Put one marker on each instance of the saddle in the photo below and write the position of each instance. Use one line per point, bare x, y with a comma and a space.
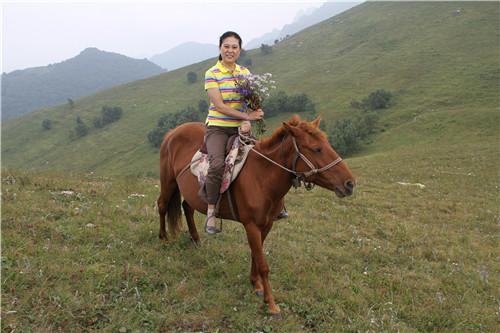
235, 159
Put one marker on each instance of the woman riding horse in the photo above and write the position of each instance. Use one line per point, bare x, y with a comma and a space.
297, 151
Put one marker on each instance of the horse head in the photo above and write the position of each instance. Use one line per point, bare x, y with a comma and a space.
315, 160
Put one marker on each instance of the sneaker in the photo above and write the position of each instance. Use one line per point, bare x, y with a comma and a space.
211, 230
282, 215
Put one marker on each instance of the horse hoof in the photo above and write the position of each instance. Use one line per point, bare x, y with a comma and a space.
259, 293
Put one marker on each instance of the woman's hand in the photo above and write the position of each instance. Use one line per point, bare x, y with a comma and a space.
256, 115
245, 127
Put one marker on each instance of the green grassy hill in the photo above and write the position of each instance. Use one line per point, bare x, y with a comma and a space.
80, 252
442, 66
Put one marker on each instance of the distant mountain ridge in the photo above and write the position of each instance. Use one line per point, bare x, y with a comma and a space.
92, 70
185, 54
305, 20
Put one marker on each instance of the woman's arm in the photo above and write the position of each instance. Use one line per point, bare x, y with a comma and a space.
216, 99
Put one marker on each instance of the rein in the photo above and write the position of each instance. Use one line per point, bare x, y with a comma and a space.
300, 176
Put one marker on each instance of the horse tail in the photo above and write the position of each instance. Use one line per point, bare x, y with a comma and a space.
174, 212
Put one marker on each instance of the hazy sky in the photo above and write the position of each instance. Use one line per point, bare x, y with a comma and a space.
41, 33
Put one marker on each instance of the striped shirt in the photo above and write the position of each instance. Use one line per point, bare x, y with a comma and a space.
220, 77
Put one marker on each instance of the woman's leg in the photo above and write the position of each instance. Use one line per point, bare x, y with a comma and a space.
216, 140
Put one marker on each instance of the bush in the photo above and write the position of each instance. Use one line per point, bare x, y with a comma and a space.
347, 134
47, 124
379, 99
108, 115
155, 136
280, 102
191, 77
344, 137
80, 129
247, 62
266, 49
172, 120
111, 114
203, 106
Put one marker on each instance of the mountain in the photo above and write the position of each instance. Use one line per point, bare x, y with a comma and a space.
185, 54
92, 70
302, 21
439, 59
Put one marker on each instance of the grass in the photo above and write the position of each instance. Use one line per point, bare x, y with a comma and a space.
391, 258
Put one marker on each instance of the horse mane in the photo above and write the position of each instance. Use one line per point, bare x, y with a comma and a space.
281, 132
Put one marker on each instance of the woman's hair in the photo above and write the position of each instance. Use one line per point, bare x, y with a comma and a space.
229, 34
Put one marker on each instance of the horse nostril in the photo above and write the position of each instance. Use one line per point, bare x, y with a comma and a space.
349, 185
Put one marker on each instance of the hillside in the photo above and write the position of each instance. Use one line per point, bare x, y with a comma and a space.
90, 71
327, 10
185, 54
419, 51
415, 249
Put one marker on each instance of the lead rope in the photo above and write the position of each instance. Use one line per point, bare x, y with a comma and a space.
299, 176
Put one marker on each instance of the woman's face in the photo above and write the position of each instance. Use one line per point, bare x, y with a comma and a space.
230, 50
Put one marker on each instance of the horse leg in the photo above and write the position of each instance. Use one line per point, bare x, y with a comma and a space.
255, 279
189, 213
254, 236
254, 275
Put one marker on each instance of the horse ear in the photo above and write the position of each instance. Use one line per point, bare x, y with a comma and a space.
316, 122
290, 129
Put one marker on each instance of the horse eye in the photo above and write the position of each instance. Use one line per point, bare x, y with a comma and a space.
317, 150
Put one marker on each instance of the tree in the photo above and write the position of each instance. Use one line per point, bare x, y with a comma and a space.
80, 129
47, 124
155, 136
71, 103
191, 77
266, 49
379, 99
344, 137
247, 62
111, 114
280, 102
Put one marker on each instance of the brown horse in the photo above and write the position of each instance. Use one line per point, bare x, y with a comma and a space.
290, 154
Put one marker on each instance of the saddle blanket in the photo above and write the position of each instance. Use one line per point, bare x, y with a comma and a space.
234, 162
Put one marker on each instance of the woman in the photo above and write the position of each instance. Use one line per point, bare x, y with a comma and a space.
225, 115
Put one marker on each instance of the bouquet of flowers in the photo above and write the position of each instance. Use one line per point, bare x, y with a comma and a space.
253, 90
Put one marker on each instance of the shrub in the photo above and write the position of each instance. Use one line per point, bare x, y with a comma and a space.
172, 120
191, 77
347, 134
80, 130
155, 136
266, 49
280, 102
108, 115
111, 114
379, 99
47, 124
247, 62
203, 106
344, 137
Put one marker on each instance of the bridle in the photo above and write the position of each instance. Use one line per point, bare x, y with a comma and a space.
300, 176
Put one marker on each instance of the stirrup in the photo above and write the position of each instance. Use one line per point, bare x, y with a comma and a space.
211, 230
